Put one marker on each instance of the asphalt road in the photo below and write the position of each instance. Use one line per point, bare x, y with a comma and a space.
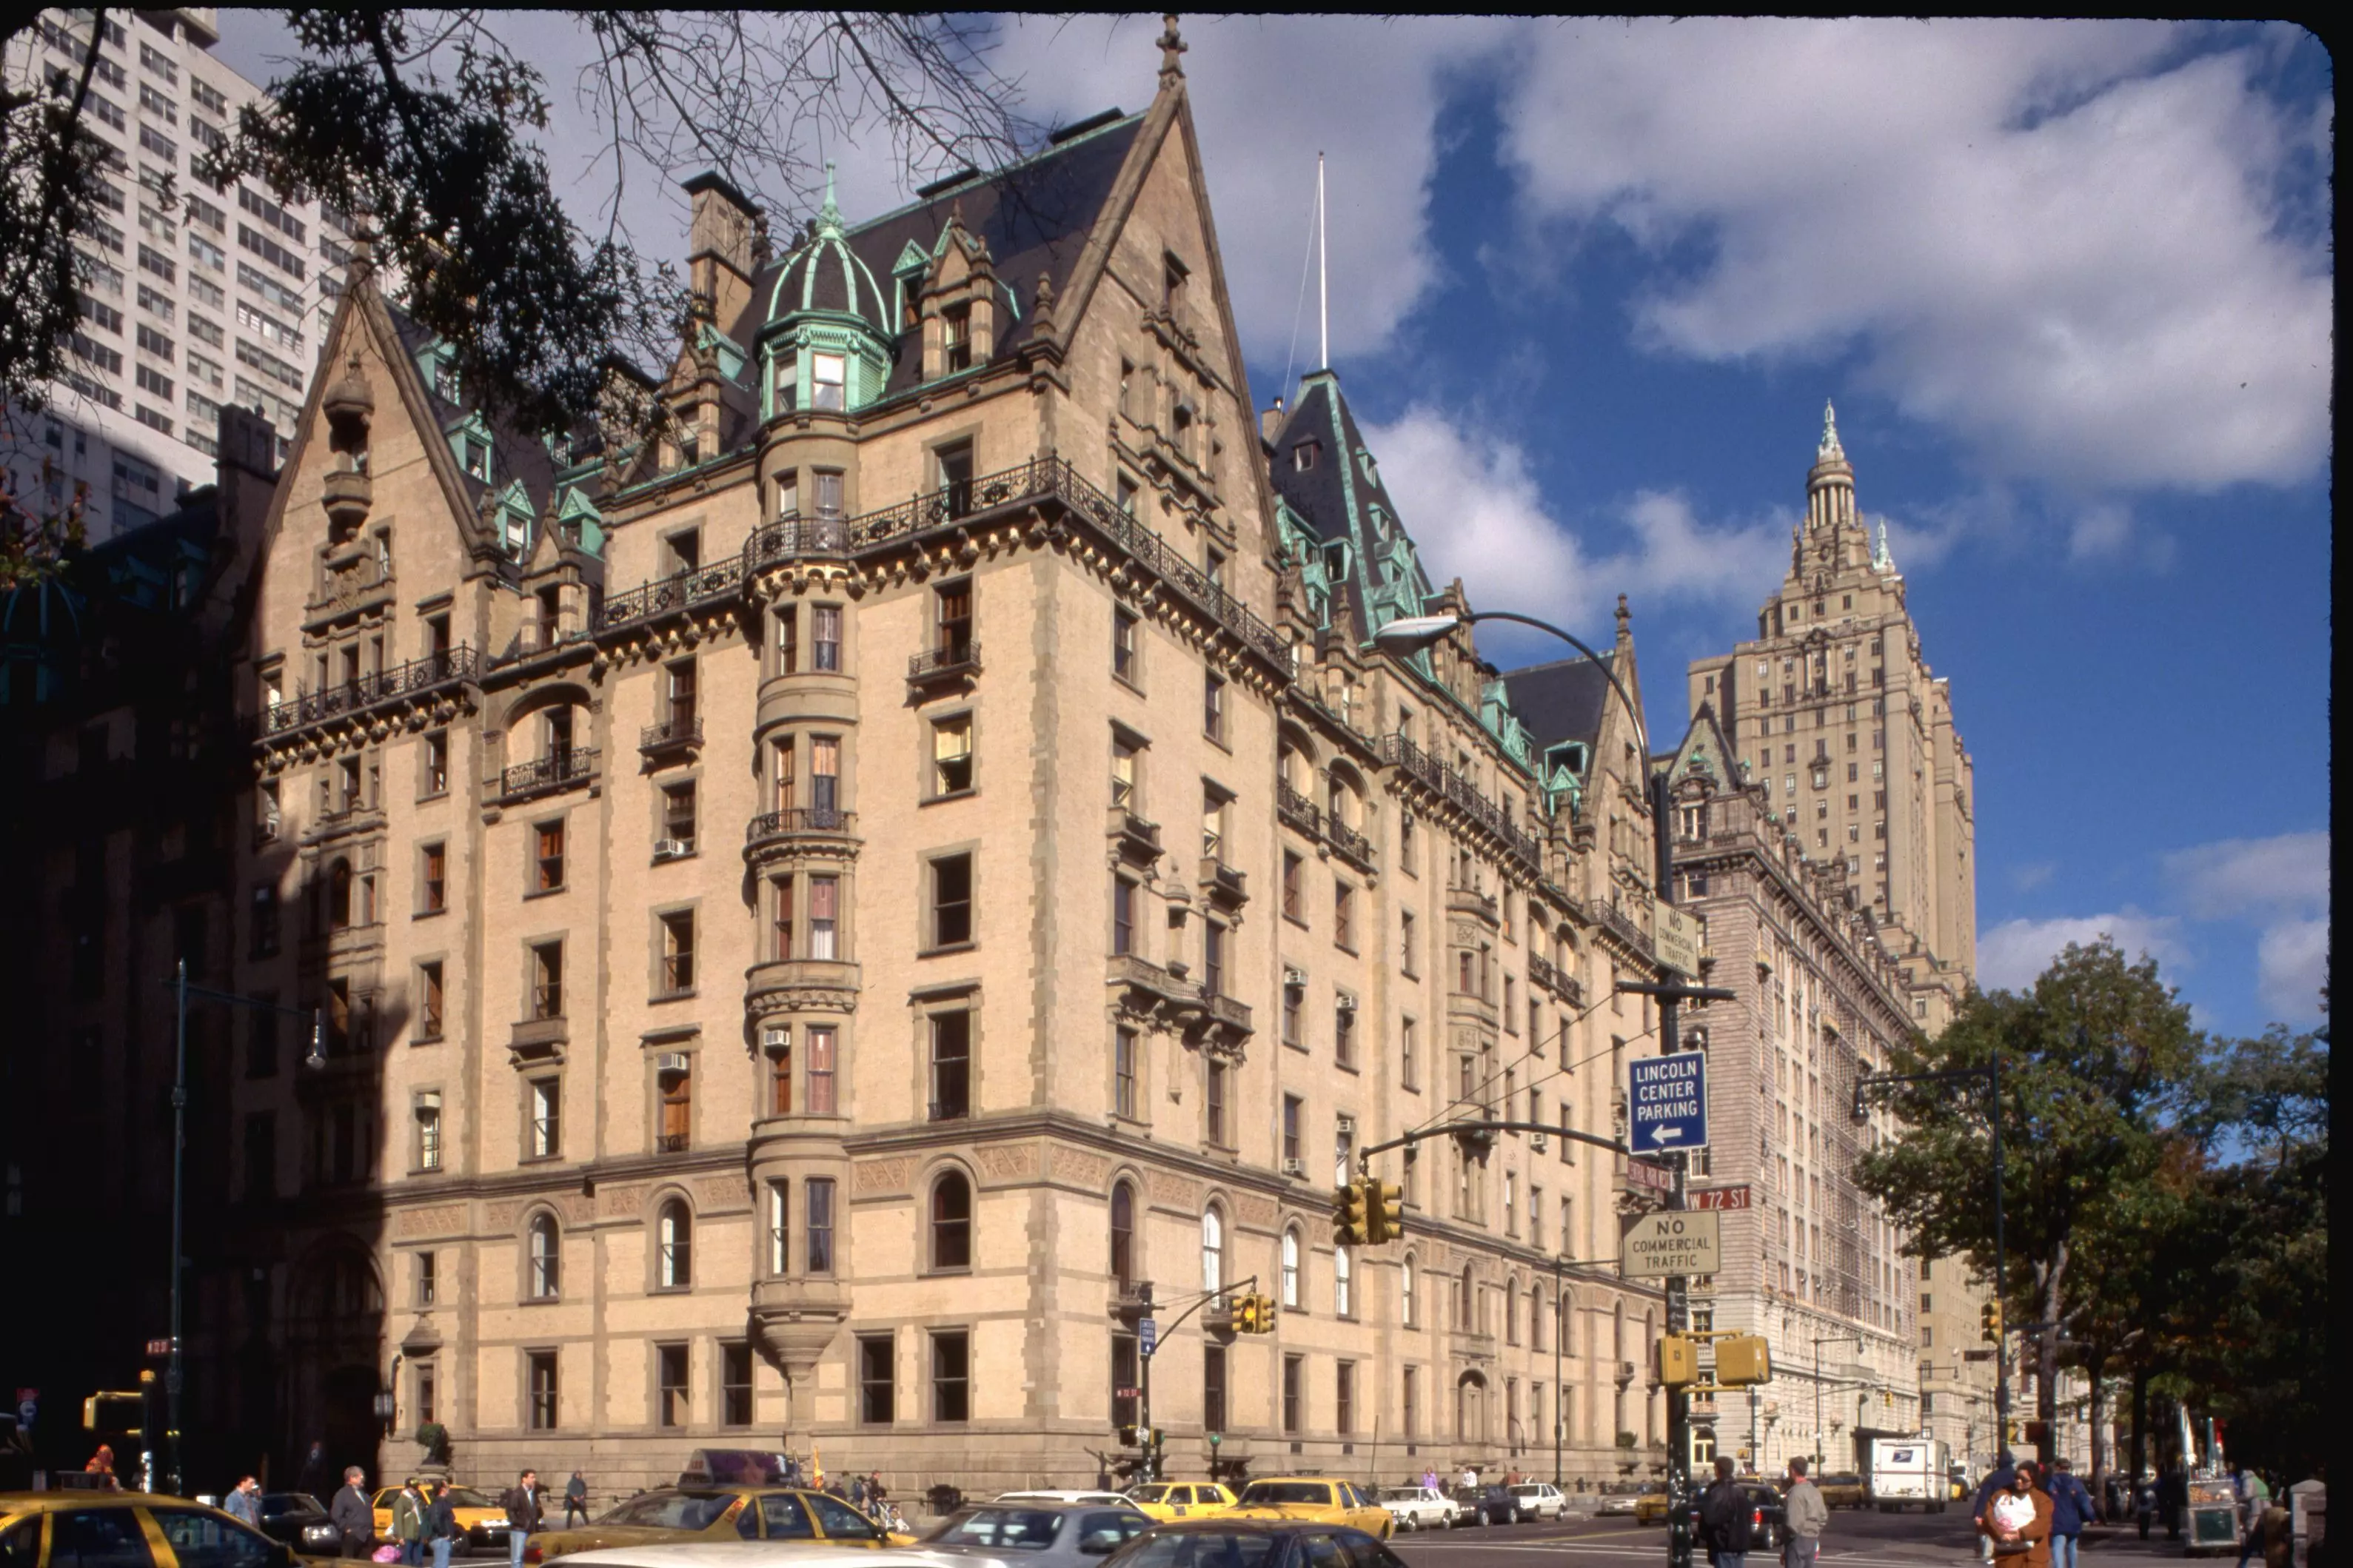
1856, 1539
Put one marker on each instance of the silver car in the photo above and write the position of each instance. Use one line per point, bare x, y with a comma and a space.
1024, 1533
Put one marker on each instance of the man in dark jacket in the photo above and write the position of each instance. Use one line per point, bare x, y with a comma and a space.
2070, 1511
1997, 1481
575, 1500
441, 1529
1724, 1520
523, 1506
353, 1520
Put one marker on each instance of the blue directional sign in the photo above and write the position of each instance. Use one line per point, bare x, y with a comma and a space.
1666, 1103
1147, 1335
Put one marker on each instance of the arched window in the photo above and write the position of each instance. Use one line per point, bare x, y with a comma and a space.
1123, 1234
1342, 1300
674, 1246
1405, 1294
1290, 1269
338, 895
952, 1222
544, 1259
1213, 1251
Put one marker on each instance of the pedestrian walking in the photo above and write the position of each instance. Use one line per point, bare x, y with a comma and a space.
2070, 1511
858, 1493
353, 1520
1997, 1481
1470, 1476
2255, 1497
524, 1520
313, 1479
876, 1494
1804, 1517
1430, 1479
244, 1501
408, 1522
575, 1500
2021, 1520
441, 1524
1724, 1519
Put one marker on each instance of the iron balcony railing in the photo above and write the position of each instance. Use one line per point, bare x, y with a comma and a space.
956, 658
1040, 478
1348, 842
557, 770
1445, 781
356, 696
675, 592
1297, 809
800, 819
670, 734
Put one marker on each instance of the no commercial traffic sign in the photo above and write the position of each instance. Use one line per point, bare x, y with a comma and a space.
1658, 1246
1666, 1101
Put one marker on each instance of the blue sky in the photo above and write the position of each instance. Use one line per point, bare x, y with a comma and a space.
2068, 282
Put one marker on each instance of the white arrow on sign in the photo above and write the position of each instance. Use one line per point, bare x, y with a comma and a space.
1667, 1134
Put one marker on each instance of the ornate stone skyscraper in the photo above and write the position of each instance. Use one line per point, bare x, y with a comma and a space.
1833, 707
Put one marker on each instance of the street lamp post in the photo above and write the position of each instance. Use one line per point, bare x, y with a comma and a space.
174, 1379
1409, 635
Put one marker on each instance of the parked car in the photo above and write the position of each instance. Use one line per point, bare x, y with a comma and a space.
1540, 1500
1418, 1508
300, 1520
1842, 1488
1491, 1502
1165, 1501
1313, 1500
1047, 1494
1044, 1535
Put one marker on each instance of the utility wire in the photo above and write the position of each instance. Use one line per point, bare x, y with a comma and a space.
1291, 356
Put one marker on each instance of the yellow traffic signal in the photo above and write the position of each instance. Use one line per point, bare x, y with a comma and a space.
1678, 1361
1990, 1323
1351, 1222
1743, 1360
1246, 1315
1385, 1213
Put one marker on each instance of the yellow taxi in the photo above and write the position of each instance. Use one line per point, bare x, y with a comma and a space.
129, 1530
1651, 1503
1161, 1501
1313, 1499
675, 1515
482, 1520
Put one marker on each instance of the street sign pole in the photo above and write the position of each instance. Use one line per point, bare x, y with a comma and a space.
1670, 1041
1146, 1341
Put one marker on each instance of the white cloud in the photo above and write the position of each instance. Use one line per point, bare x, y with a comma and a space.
1477, 513
2291, 966
2014, 952
2046, 237
2236, 876
1267, 93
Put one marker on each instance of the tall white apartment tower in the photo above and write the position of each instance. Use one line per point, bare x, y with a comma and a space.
219, 298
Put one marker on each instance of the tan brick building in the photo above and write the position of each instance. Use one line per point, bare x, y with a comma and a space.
785, 1002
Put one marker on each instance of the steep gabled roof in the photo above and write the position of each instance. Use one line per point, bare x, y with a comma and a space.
1035, 215
1706, 753
1339, 496
1564, 701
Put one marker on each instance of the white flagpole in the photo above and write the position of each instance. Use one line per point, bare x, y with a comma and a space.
1323, 283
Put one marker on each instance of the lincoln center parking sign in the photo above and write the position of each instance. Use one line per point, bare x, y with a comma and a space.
1666, 1102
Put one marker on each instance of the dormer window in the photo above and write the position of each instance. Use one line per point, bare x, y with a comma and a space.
1174, 282
477, 460
955, 339
1303, 457
829, 381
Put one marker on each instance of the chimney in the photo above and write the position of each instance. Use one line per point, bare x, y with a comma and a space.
1269, 423
720, 235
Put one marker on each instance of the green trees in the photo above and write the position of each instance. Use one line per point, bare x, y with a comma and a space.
2164, 1198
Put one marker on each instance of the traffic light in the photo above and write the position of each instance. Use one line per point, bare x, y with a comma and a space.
1261, 1317
1742, 1360
1990, 1323
1351, 1219
1243, 1309
1128, 1435
1678, 1361
1385, 1212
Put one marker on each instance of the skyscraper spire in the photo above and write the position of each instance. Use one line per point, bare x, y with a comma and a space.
1830, 448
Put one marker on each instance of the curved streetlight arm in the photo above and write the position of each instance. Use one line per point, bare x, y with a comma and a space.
1413, 634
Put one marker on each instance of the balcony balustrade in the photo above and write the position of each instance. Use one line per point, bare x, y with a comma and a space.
557, 771
354, 696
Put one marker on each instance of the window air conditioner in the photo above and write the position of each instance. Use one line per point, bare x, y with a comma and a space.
1294, 1167
671, 849
1536, 1141
669, 1062
1347, 1123
775, 1038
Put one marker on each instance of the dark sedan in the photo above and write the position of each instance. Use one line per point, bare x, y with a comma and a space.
300, 1520
1767, 1519
1490, 1504
1222, 1543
